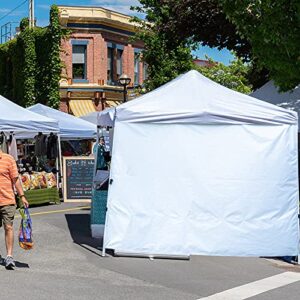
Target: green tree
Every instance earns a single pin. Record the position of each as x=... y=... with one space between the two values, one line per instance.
x=164 y=64
x=198 y=20
x=233 y=76
x=265 y=32
x=166 y=58
x=273 y=30
x=168 y=47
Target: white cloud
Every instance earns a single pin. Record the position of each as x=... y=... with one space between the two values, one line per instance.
x=4 y=11
x=42 y=22
x=120 y=9
x=44 y=6
x=121 y=6
x=116 y=2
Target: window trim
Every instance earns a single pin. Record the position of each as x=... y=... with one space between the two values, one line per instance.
x=80 y=43
x=116 y=47
x=137 y=53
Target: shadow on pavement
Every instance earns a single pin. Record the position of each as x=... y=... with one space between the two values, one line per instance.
x=79 y=226
x=18 y=264
x=21 y=265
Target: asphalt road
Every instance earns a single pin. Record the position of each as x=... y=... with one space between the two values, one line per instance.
x=67 y=264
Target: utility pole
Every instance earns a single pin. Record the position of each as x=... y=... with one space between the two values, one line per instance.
x=31 y=13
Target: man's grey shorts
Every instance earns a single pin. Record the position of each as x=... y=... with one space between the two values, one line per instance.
x=7 y=214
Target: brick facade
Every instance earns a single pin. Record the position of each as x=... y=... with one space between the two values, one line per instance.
x=96 y=28
x=97 y=56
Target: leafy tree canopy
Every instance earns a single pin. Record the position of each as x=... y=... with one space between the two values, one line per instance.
x=273 y=29
x=168 y=45
x=265 y=32
x=233 y=76
x=166 y=58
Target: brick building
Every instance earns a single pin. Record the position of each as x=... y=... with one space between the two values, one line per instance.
x=97 y=52
x=203 y=62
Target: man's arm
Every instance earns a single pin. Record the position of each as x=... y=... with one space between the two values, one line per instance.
x=20 y=191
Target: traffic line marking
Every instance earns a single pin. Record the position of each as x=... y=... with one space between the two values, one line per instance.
x=256 y=287
x=57 y=211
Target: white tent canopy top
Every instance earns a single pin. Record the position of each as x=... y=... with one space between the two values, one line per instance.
x=270 y=93
x=200 y=169
x=193 y=98
x=107 y=116
x=70 y=127
x=91 y=117
x=14 y=118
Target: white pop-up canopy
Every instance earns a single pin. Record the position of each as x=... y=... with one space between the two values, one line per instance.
x=106 y=117
x=14 y=118
x=91 y=117
x=70 y=127
x=270 y=93
x=200 y=169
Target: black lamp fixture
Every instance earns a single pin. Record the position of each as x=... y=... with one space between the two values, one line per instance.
x=124 y=80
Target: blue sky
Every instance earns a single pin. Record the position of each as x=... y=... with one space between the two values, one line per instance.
x=42 y=16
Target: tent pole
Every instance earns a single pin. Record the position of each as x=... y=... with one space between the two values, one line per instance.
x=60 y=164
x=96 y=153
x=298 y=246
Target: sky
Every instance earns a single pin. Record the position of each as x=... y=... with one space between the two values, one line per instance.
x=123 y=6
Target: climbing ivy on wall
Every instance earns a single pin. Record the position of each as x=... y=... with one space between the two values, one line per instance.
x=55 y=64
x=30 y=65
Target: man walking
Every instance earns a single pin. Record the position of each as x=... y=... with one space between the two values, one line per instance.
x=9 y=178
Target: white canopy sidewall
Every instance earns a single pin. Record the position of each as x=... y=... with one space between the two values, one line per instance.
x=183 y=189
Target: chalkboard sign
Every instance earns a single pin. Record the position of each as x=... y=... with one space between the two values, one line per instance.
x=78 y=178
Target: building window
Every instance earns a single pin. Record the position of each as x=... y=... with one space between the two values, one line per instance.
x=136 y=67
x=145 y=71
x=110 y=66
x=79 y=62
x=119 y=63
x=114 y=63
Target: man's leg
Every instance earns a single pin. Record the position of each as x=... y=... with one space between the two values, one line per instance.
x=8 y=214
x=9 y=238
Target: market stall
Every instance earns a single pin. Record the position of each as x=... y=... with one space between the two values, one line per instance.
x=100 y=186
x=77 y=171
x=200 y=169
x=16 y=121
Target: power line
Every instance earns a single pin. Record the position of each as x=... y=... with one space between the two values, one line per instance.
x=13 y=10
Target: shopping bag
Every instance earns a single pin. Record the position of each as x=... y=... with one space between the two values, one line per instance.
x=25 y=230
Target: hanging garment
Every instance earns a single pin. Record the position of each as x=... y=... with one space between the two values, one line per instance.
x=52 y=146
x=40 y=145
x=3 y=142
x=12 y=148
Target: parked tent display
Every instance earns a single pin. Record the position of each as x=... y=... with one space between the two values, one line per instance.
x=270 y=93
x=200 y=169
x=70 y=127
x=15 y=122
x=73 y=128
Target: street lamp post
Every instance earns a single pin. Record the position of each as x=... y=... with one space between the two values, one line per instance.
x=124 y=80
